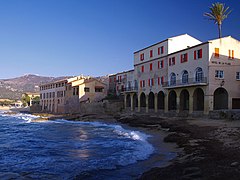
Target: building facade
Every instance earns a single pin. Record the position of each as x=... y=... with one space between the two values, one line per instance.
x=65 y=96
x=182 y=74
x=52 y=96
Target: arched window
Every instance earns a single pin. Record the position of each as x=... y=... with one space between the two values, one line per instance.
x=199 y=75
x=185 y=77
x=173 y=79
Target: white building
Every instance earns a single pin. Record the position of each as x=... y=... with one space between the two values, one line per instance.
x=182 y=74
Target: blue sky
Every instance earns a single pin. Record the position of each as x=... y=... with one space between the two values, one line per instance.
x=96 y=37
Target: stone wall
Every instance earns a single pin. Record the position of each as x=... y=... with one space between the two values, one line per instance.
x=107 y=106
x=35 y=108
x=225 y=114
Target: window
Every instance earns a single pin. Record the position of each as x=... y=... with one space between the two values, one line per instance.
x=142 y=83
x=161 y=50
x=185 y=77
x=74 y=93
x=77 y=91
x=160 y=80
x=173 y=79
x=86 y=89
x=150 y=66
x=151 y=53
x=142 y=68
x=119 y=79
x=216 y=54
x=160 y=64
x=150 y=82
x=142 y=56
x=100 y=89
x=219 y=74
x=199 y=75
x=184 y=58
x=237 y=75
x=231 y=54
x=172 y=61
x=198 y=54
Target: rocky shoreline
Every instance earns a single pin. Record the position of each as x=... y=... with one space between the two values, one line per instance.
x=210 y=147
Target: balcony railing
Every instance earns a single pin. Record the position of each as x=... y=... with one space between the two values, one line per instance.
x=129 y=89
x=186 y=82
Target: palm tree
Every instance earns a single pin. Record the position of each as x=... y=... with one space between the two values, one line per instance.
x=218 y=12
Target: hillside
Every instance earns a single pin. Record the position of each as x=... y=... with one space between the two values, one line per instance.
x=14 y=87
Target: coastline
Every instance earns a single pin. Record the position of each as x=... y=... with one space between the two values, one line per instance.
x=205 y=148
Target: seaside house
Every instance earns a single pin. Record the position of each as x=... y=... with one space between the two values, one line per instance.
x=66 y=96
x=125 y=81
x=52 y=96
x=83 y=90
x=183 y=75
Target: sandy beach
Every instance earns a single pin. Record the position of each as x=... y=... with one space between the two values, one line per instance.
x=4 y=108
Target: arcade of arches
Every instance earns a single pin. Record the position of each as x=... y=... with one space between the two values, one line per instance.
x=190 y=100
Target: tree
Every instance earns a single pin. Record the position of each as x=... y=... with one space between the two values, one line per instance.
x=36 y=100
x=25 y=100
x=218 y=12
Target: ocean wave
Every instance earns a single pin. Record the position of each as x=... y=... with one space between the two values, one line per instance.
x=26 y=117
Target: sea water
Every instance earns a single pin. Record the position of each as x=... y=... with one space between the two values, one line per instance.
x=63 y=149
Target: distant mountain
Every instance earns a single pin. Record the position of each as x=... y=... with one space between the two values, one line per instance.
x=14 y=87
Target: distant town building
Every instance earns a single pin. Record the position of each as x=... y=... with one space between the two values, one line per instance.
x=65 y=96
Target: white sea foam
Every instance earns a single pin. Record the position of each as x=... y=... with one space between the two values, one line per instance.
x=26 y=117
x=141 y=149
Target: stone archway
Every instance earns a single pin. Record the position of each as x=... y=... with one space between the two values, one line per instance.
x=198 y=100
x=128 y=99
x=135 y=101
x=160 y=100
x=142 y=100
x=151 y=100
x=184 y=100
x=220 y=99
x=172 y=100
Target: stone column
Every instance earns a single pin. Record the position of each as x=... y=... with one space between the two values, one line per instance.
x=125 y=101
x=191 y=91
x=139 y=104
x=166 y=102
x=131 y=96
x=146 y=103
x=190 y=104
